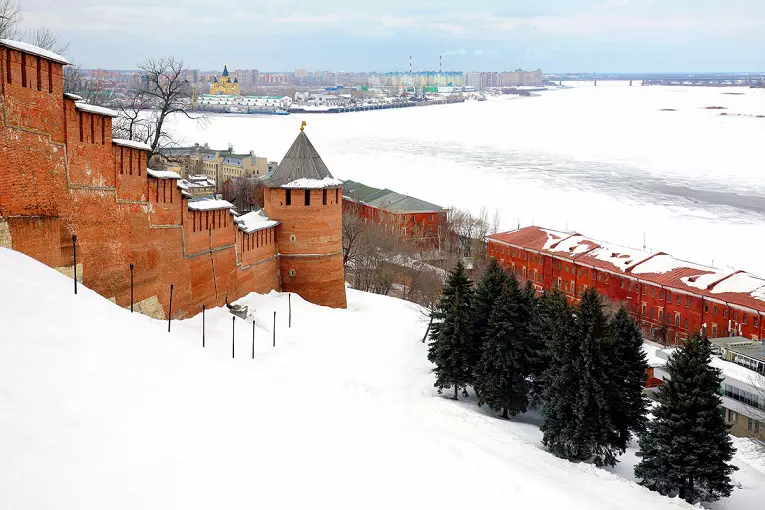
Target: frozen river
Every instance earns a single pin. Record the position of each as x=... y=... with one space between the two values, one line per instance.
x=612 y=162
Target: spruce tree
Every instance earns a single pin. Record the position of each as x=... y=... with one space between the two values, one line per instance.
x=501 y=373
x=555 y=324
x=535 y=349
x=629 y=365
x=686 y=450
x=596 y=436
x=451 y=340
x=543 y=327
x=487 y=291
x=582 y=424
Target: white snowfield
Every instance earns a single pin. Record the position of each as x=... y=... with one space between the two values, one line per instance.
x=104 y=409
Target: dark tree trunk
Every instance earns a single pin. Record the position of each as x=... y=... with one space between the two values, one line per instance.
x=455 y=392
x=427 y=330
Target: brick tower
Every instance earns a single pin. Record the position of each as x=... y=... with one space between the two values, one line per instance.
x=307 y=200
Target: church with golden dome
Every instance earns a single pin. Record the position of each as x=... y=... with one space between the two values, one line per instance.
x=224 y=85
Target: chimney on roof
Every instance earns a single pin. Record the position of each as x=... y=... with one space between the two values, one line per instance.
x=231 y=147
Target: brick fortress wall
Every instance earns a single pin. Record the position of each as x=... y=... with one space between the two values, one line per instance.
x=61 y=174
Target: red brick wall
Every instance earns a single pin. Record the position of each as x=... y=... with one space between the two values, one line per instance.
x=310 y=243
x=420 y=227
x=53 y=185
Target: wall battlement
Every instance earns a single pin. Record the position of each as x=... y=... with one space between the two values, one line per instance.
x=62 y=174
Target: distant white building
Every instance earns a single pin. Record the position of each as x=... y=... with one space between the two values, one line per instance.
x=320 y=99
x=227 y=102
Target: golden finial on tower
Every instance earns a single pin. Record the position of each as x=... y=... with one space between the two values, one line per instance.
x=302 y=126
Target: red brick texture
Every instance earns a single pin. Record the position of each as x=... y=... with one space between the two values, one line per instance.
x=60 y=174
x=310 y=243
x=656 y=307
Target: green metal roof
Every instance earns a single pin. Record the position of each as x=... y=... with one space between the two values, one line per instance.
x=358 y=191
x=387 y=200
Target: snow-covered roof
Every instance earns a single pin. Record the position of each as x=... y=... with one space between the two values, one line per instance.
x=196 y=181
x=573 y=245
x=734 y=287
x=73 y=97
x=662 y=263
x=327 y=182
x=162 y=174
x=34 y=50
x=131 y=143
x=254 y=221
x=209 y=204
x=91 y=108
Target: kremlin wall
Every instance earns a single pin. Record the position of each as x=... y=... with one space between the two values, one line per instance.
x=63 y=175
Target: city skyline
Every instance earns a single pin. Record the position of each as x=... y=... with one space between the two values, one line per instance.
x=581 y=36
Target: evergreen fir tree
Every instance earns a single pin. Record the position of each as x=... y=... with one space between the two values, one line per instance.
x=501 y=373
x=543 y=327
x=629 y=365
x=451 y=340
x=555 y=324
x=596 y=436
x=583 y=427
x=487 y=291
x=535 y=350
x=686 y=450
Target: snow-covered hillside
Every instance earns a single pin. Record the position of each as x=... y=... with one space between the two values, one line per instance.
x=103 y=409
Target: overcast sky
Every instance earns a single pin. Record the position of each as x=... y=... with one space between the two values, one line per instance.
x=364 y=35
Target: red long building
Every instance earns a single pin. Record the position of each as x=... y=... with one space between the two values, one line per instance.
x=670 y=298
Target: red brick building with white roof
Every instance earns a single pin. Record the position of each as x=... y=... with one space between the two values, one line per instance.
x=670 y=298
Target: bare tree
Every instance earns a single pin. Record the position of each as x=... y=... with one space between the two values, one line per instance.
x=10 y=18
x=246 y=193
x=353 y=235
x=46 y=38
x=164 y=91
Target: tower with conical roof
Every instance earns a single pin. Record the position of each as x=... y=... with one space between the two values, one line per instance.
x=307 y=201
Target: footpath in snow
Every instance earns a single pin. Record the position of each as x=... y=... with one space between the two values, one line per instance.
x=100 y=408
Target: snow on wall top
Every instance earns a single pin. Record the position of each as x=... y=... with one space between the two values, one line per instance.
x=162 y=174
x=34 y=50
x=73 y=97
x=209 y=204
x=90 y=108
x=131 y=143
x=327 y=182
x=254 y=221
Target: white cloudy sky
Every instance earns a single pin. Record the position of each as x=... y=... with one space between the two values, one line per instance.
x=556 y=35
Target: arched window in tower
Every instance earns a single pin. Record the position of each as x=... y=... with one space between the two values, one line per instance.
x=308 y=197
x=288 y=200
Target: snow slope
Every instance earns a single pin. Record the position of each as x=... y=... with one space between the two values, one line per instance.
x=103 y=409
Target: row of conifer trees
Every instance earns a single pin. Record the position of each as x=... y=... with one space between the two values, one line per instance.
x=585 y=372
